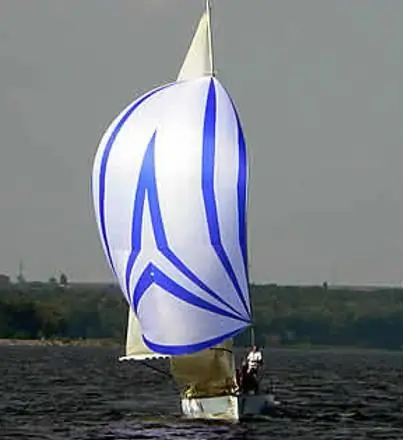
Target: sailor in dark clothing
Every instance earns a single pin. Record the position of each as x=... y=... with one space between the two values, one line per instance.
x=246 y=381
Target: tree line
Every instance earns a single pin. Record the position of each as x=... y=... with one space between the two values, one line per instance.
x=283 y=315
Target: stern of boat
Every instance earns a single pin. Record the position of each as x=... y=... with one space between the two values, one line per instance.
x=232 y=408
x=214 y=408
x=252 y=405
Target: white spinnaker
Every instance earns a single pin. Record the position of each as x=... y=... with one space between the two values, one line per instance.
x=197 y=63
x=165 y=136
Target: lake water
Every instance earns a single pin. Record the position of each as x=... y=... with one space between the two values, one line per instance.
x=85 y=393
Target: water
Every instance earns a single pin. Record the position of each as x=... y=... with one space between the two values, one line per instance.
x=84 y=393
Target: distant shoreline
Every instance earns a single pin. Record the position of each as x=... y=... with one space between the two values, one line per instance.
x=59 y=342
x=115 y=344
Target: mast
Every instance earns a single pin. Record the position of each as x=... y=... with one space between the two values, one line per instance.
x=210 y=37
x=252 y=326
x=252 y=335
x=20 y=276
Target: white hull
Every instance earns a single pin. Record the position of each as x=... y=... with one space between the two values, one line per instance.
x=228 y=407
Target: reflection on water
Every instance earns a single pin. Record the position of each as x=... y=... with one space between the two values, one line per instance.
x=85 y=393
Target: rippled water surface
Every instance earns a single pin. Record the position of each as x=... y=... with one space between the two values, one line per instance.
x=84 y=393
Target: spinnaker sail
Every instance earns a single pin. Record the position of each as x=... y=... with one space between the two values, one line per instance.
x=170 y=195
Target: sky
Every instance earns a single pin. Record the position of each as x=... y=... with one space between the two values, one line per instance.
x=318 y=85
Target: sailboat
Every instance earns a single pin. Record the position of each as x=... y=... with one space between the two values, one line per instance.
x=169 y=184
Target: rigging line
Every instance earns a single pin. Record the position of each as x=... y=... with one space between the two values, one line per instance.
x=221 y=349
x=158 y=370
x=164 y=373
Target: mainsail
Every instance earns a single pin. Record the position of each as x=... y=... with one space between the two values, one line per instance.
x=135 y=346
x=170 y=197
x=199 y=60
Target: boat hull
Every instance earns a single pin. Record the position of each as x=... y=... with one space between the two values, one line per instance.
x=232 y=408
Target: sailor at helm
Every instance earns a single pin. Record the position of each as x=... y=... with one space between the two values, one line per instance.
x=255 y=360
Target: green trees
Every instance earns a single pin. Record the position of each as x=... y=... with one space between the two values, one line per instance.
x=50 y=311
x=284 y=315
x=293 y=315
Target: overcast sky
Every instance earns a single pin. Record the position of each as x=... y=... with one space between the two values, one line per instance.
x=318 y=85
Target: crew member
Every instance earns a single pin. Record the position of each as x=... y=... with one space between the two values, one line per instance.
x=255 y=360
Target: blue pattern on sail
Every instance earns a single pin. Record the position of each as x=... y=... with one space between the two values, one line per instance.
x=169 y=350
x=104 y=163
x=163 y=270
x=242 y=194
x=209 y=145
x=152 y=274
x=147 y=185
